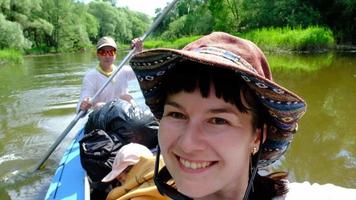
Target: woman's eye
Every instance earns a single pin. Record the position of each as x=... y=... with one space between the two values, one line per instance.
x=176 y=115
x=217 y=120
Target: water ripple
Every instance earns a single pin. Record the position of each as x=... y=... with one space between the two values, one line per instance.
x=351 y=160
x=9 y=157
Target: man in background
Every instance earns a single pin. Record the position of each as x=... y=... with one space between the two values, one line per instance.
x=106 y=50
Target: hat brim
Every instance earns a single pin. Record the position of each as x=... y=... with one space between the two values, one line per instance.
x=114 y=173
x=284 y=107
x=145 y=62
x=106 y=45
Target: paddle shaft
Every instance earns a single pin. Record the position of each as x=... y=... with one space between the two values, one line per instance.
x=59 y=140
x=83 y=113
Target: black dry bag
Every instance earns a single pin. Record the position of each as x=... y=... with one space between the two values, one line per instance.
x=132 y=123
x=97 y=153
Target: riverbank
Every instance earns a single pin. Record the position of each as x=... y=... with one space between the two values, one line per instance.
x=276 y=40
x=10 y=56
x=311 y=39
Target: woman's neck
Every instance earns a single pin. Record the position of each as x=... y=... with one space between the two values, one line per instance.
x=223 y=196
x=234 y=191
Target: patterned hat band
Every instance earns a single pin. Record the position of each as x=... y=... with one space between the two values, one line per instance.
x=222 y=53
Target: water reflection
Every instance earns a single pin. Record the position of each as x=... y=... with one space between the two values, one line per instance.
x=38 y=101
x=324 y=148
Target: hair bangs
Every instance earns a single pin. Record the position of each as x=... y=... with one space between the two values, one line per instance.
x=188 y=76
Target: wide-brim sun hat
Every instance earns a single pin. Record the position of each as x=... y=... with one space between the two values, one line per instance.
x=106 y=41
x=128 y=155
x=244 y=58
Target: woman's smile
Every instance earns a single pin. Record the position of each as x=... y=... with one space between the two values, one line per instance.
x=194 y=166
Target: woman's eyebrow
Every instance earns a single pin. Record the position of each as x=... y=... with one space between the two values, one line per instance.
x=174 y=104
x=223 y=110
x=212 y=110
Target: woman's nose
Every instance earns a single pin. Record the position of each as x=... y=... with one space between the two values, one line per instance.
x=192 y=137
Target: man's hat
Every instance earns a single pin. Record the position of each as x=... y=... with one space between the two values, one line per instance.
x=106 y=41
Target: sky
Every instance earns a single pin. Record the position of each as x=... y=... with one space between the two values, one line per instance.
x=145 y=6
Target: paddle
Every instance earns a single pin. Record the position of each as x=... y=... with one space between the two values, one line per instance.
x=83 y=113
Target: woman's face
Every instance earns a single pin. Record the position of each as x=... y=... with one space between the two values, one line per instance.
x=206 y=144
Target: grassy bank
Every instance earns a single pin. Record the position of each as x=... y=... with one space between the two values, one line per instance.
x=10 y=56
x=175 y=44
x=285 y=39
x=288 y=39
x=271 y=39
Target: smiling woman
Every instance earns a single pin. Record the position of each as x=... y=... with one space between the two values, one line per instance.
x=191 y=142
x=222 y=119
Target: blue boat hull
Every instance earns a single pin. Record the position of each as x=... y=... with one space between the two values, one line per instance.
x=70 y=181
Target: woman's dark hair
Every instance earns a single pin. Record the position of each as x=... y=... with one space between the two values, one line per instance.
x=188 y=76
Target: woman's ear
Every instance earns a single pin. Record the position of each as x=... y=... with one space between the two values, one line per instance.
x=264 y=133
x=257 y=138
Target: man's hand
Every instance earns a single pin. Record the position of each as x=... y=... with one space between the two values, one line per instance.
x=138 y=44
x=85 y=105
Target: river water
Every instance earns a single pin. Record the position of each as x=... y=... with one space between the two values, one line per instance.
x=38 y=99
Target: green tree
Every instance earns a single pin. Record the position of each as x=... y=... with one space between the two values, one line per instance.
x=139 y=22
x=121 y=24
x=189 y=17
x=27 y=13
x=11 y=35
x=107 y=16
x=223 y=15
x=339 y=15
x=73 y=35
x=276 y=13
x=70 y=25
x=92 y=26
x=4 y=5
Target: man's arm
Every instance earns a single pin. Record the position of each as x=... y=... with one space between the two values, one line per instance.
x=86 y=92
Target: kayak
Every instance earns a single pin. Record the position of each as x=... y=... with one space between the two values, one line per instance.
x=70 y=181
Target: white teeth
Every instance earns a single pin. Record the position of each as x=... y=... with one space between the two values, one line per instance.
x=194 y=165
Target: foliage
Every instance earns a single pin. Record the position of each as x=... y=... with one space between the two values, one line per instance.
x=10 y=55
x=65 y=25
x=339 y=15
x=176 y=28
x=238 y=16
x=27 y=13
x=270 y=39
x=190 y=17
x=121 y=24
x=297 y=39
x=69 y=25
x=138 y=23
x=225 y=21
x=91 y=25
x=175 y=44
x=11 y=35
x=264 y=13
x=69 y=22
